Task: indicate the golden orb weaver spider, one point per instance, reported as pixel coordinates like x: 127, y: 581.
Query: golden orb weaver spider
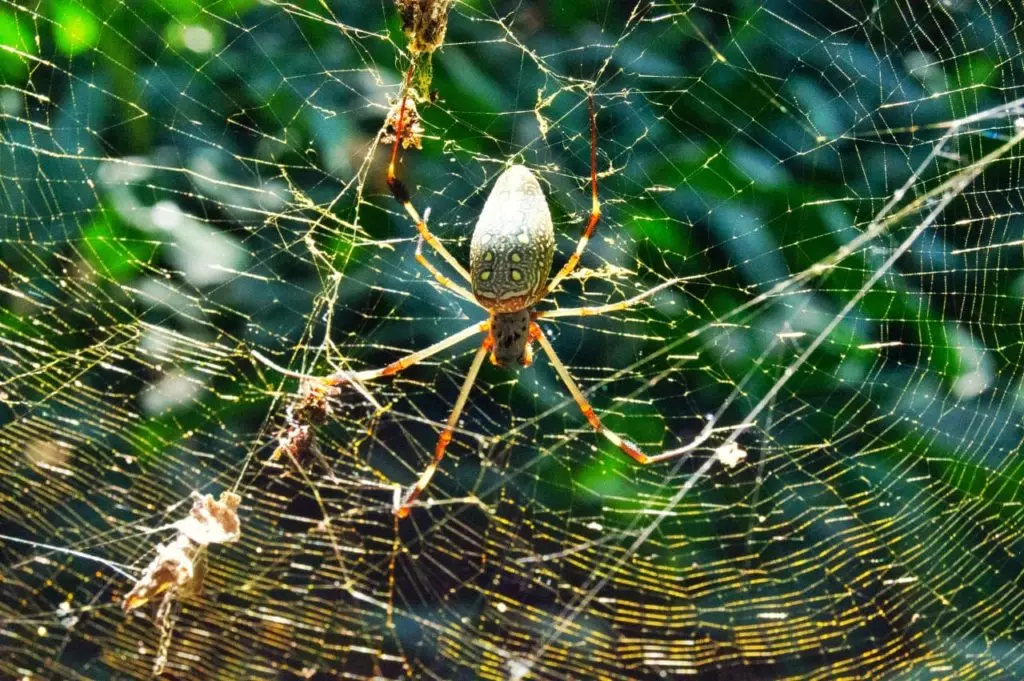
x: 511, y: 253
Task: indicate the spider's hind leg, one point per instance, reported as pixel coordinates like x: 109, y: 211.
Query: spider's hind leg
x: 626, y: 446
x: 446, y: 435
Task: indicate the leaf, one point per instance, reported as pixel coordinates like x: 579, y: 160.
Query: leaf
x: 75, y: 27
x: 15, y: 37
x: 115, y: 249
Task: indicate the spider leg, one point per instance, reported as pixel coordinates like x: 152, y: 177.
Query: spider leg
x: 402, y: 195
x: 446, y: 435
x: 398, y: 365
x: 330, y: 381
x: 610, y: 307
x: 595, y: 210
x: 627, y: 447
x: 418, y: 356
x: 441, y: 279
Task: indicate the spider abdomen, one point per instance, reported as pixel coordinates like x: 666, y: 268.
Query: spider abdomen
x: 513, y: 243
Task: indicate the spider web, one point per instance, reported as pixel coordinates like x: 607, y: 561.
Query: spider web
x: 837, y: 184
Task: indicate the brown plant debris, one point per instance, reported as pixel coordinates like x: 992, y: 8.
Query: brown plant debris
x: 424, y: 23
x: 179, y: 567
x: 312, y: 405
x: 412, y: 129
x: 297, y: 438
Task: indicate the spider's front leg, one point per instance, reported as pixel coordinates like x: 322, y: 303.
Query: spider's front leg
x: 595, y: 210
x: 441, y: 279
x: 401, y: 192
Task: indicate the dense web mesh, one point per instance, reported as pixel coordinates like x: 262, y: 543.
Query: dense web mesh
x: 838, y: 185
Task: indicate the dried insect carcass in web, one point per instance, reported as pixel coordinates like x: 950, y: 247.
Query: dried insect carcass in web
x: 174, y: 567
x: 424, y: 23
x: 297, y: 438
x: 179, y: 567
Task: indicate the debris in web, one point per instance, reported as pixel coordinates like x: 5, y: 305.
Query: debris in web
x: 518, y: 668
x: 173, y: 568
x: 424, y: 23
x: 310, y: 408
x: 730, y: 454
x: 179, y: 567
x: 297, y: 439
x: 412, y: 130
x: 212, y: 522
x: 312, y: 404
x: 296, y: 442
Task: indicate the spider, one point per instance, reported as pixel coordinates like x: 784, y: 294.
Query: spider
x: 511, y: 254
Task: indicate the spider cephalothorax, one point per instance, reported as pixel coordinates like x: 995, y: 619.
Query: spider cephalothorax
x: 510, y: 335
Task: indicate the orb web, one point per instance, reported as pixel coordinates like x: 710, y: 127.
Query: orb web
x: 836, y: 187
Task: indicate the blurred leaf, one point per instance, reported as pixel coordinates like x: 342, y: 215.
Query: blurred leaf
x: 979, y: 70
x: 608, y: 475
x: 15, y: 36
x: 75, y: 29
x: 196, y: 37
x: 114, y: 249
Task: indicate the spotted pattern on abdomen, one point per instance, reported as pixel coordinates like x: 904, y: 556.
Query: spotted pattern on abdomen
x: 513, y: 243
